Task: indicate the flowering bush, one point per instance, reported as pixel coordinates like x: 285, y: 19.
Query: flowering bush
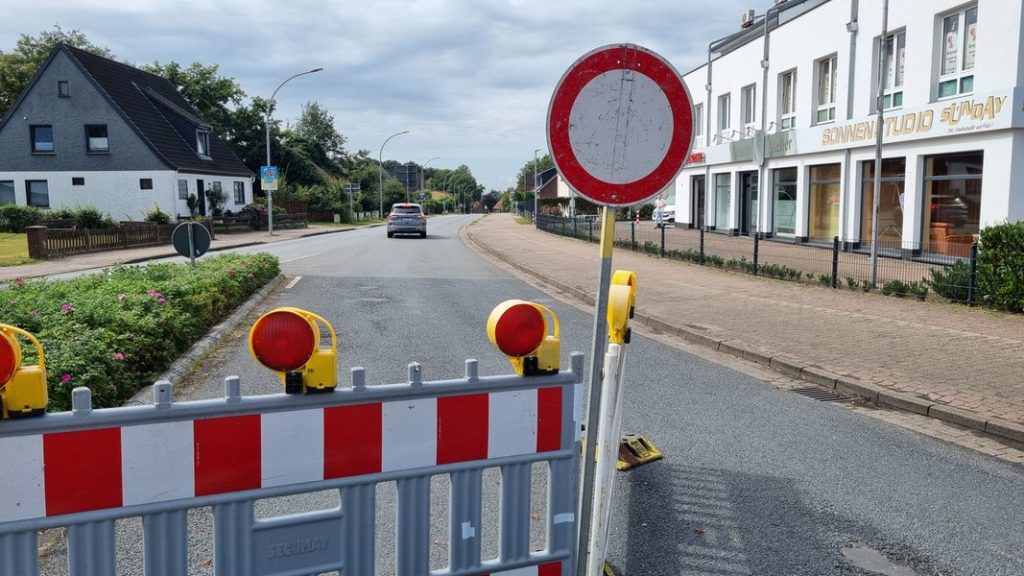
x: 115, y: 332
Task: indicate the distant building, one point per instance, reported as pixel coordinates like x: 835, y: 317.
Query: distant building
x: 785, y: 124
x: 88, y: 130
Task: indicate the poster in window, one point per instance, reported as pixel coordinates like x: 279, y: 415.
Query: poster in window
x: 890, y: 64
x: 949, y: 53
x: 972, y: 30
x: 901, y: 58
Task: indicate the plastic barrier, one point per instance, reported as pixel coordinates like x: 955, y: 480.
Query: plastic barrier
x: 87, y: 468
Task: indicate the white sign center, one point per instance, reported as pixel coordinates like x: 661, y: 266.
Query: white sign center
x: 628, y: 109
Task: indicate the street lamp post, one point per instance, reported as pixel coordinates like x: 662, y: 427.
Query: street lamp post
x: 423, y: 168
x: 380, y: 168
x: 270, y: 106
x: 535, y: 189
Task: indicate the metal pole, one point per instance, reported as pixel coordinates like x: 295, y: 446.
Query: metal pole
x: 191, y: 244
x: 594, y: 404
x: 380, y: 170
x: 270, y: 106
x: 877, y: 192
x: 536, y: 191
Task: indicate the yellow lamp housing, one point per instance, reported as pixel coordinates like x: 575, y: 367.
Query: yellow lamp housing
x: 621, y: 306
x: 23, y: 389
x: 519, y: 329
x: 288, y: 341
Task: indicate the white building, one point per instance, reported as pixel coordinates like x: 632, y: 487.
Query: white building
x: 792, y: 105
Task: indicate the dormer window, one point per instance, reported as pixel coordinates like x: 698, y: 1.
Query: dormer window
x: 203, y: 143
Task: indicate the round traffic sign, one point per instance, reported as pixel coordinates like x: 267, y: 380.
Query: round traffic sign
x: 620, y: 125
x: 199, y: 243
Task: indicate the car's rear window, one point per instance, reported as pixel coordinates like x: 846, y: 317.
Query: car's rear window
x: 406, y: 209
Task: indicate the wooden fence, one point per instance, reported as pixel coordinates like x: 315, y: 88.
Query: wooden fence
x: 56, y: 242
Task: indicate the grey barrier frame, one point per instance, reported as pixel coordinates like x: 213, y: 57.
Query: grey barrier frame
x: 238, y: 534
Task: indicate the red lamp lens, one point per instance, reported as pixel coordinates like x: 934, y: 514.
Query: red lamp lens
x: 520, y: 330
x: 283, y: 341
x: 8, y: 361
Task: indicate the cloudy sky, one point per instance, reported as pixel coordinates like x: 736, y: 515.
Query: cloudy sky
x: 470, y: 79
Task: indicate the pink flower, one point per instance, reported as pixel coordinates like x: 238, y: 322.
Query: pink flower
x: 231, y: 271
x: 19, y: 282
x: 66, y: 308
x: 161, y: 301
x: 119, y: 356
x: 65, y: 378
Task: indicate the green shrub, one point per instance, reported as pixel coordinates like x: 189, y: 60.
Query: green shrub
x: 952, y: 282
x: 157, y: 216
x: 851, y: 282
x: 14, y: 217
x: 919, y: 290
x: 1001, y: 266
x: 114, y: 332
x: 867, y: 285
x: 897, y: 288
x: 824, y: 279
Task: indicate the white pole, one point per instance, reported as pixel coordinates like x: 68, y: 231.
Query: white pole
x: 877, y: 191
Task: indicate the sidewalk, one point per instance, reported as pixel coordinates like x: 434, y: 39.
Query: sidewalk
x: 958, y: 364
x: 134, y: 255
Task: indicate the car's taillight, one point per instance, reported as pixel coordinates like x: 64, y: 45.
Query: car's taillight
x: 392, y: 216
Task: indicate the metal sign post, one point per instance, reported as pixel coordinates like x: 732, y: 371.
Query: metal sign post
x: 191, y: 240
x: 620, y: 125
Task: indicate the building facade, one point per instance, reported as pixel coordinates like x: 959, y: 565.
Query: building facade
x: 91, y: 131
x: 785, y: 114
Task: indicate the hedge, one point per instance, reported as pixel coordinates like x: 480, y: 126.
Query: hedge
x: 1001, y: 266
x: 116, y: 331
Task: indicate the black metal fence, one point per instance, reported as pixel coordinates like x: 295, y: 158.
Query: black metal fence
x: 916, y: 270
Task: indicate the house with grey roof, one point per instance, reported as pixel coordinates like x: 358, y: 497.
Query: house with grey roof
x: 91, y: 131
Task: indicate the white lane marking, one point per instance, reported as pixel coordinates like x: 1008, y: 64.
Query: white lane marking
x: 293, y: 283
x: 299, y: 258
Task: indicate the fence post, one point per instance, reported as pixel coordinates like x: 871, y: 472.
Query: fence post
x: 835, y: 260
x: 632, y: 234
x: 702, y: 246
x: 973, y: 276
x: 37, y: 237
x: 574, y: 235
x: 662, y: 240
x: 88, y: 240
x: 590, y: 230
x: 757, y: 245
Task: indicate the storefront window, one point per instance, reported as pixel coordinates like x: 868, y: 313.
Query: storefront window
x: 723, y: 191
x: 952, y: 201
x: 784, y: 205
x: 823, y: 218
x: 890, y: 203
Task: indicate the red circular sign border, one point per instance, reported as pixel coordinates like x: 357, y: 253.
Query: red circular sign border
x: 591, y: 65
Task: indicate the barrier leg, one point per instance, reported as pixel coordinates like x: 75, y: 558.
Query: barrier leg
x: 413, y: 527
x: 91, y: 548
x: 359, y: 509
x: 165, y: 541
x: 515, y: 495
x: 19, y: 553
x: 464, y: 522
x: 232, y: 538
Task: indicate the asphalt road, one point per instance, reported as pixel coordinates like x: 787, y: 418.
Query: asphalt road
x: 756, y: 481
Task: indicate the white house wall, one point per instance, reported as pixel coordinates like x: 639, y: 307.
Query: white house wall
x: 119, y: 194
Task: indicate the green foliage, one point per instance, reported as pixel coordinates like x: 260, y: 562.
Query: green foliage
x: 851, y: 282
x: 114, y: 332
x: 901, y: 289
x: 157, y: 216
x: 87, y: 216
x: 217, y: 199
x: 317, y: 125
x: 952, y: 282
x: 193, y: 205
x: 1001, y: 266
x: 14, y: 217
x: 867, y: 285
x: 824, y: 279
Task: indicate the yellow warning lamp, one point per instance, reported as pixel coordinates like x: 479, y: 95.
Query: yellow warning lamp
x: 621, y: 306
x: 519, y: 329
x: 22, y: 388
x: 287, y: 340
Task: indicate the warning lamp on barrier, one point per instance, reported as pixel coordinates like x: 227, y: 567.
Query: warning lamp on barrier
x: 287, y: 340
x: 621, y: 306
x: 519, y: 329
x: 22, y: 388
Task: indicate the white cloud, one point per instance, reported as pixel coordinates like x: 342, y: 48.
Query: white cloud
x: 470, y: 79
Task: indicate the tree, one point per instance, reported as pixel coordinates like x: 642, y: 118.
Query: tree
x: 19, y: 65
x: 317, y: 125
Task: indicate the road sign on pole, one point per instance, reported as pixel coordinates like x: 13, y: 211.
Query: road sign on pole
x: 620, y: 125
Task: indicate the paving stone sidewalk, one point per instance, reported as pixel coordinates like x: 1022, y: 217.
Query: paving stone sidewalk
x: 959, y: 364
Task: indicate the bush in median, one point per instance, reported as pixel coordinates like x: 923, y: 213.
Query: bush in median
x: 116, y: 331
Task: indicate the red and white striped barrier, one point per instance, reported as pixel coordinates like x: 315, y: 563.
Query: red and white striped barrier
x: 57, y: 473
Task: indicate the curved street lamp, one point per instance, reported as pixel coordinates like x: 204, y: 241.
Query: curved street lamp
x: 380, y: 168
x: 270, y: 106
x: 423, y: 167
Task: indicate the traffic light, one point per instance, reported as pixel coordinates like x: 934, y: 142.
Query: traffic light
x: 621, y: 306
x: 22, y: 388
x: 519, y: 329
x: 288, y: 341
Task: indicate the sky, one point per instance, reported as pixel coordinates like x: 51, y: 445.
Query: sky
x: 470, y: 80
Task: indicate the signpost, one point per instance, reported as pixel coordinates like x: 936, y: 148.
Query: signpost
x: 191, y: 240
x: 268, y: 182
x: 620, y: 126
